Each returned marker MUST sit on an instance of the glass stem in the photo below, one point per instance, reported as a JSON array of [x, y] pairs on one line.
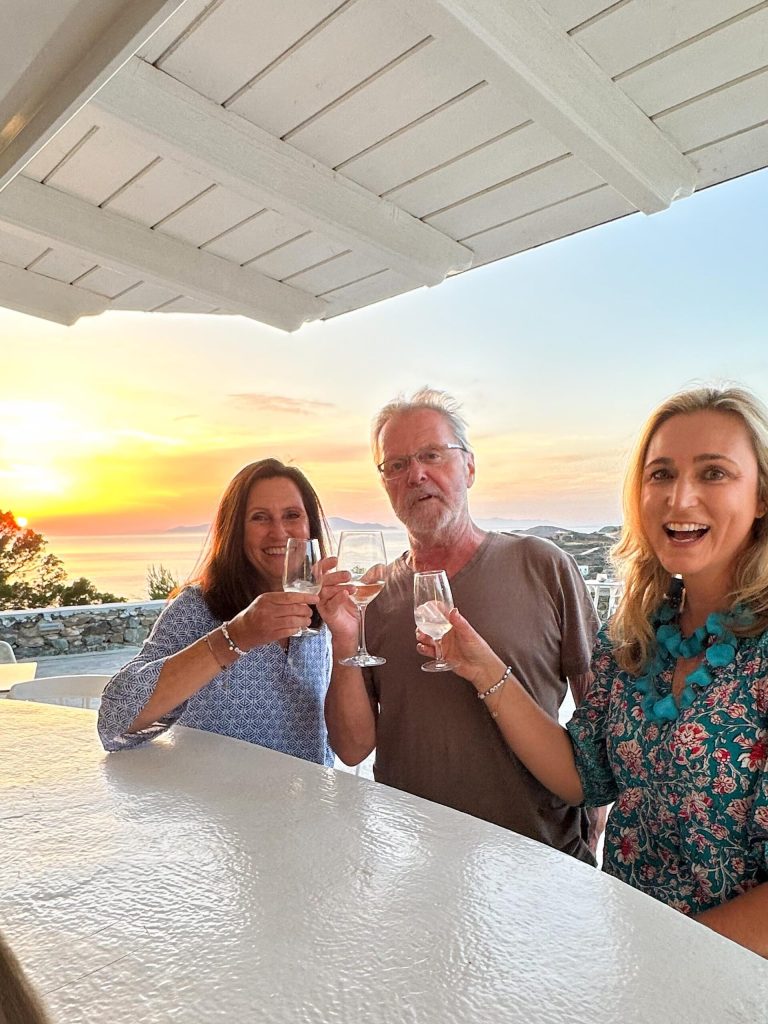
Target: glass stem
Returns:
[[361, 648], [439, 651]]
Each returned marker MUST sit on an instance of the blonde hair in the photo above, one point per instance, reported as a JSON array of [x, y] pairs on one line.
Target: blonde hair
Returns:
[[645, 579]]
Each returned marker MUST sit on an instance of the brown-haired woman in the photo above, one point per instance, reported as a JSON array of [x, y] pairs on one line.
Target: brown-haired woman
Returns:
[[223, 656], [674, 730]]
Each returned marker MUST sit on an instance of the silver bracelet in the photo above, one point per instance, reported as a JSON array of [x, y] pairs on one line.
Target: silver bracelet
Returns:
[[230, 642], [496, 686], [207, 639]]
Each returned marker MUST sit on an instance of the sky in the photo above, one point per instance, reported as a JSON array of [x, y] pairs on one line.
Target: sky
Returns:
[[133, 423]]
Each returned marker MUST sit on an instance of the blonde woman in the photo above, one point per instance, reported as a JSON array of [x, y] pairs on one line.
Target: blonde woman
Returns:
[[674, 728]]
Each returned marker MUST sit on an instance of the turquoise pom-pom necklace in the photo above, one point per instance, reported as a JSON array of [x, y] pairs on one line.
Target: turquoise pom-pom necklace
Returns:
[[714, 638]]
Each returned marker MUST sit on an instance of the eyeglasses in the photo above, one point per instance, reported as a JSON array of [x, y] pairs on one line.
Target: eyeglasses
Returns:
[[430, 457]]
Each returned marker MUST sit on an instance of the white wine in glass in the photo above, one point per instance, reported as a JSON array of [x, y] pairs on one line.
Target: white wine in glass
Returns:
[[432, 604], [362, 554], [300, 572]]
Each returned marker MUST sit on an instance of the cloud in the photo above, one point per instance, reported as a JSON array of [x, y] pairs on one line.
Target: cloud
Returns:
[[143, 435], [281, 403]]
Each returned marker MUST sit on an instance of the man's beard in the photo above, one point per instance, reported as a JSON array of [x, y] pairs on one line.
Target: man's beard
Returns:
[[429, 519]]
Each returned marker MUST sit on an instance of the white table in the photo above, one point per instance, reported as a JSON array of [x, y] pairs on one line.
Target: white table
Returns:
[[204, 879]]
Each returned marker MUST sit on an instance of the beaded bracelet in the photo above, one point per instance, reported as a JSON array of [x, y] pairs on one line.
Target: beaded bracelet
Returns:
[[230, 642], [496, 686]]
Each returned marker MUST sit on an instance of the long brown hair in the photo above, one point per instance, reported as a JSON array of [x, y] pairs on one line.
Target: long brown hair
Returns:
[[19, 1004], [227, 579], [645, 579]]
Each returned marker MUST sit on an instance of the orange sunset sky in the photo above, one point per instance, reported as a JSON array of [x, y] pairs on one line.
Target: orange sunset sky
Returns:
[[134, 423]]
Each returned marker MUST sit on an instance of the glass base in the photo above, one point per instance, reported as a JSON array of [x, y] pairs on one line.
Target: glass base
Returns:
[[436, 666], [364, 660], [307, 631]]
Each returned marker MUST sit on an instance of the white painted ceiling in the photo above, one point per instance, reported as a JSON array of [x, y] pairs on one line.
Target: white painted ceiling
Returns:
[[290, 160]]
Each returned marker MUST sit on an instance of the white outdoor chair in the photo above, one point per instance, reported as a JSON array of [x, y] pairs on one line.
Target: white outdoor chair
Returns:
[[7, 657], [69, 691]]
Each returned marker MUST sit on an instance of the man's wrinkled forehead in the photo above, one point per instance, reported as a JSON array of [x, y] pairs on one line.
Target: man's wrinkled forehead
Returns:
[[408, 431]]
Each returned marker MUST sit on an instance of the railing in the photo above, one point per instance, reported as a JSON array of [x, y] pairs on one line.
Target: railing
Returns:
[[605, 595]]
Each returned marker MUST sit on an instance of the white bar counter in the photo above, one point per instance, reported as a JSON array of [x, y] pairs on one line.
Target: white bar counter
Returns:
[[204, 879]]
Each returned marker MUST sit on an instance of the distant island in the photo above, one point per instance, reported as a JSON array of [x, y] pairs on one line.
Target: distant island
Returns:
[[589, 548]]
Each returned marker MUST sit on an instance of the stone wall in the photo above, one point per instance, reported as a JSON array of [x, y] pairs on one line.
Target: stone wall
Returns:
[[42, 632]]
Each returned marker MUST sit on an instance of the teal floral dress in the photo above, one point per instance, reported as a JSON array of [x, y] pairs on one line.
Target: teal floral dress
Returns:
[[689, 824]]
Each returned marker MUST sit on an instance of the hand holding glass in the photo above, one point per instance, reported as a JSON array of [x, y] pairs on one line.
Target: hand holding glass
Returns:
[[362, 554], [432, 603], [300, 572]]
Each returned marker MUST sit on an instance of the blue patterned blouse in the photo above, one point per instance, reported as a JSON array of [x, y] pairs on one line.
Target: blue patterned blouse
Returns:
[[269, 696], [690, 821]]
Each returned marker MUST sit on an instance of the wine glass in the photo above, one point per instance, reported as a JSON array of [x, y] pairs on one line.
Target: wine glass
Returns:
[[300, 572], [432, 604], [361, 553]]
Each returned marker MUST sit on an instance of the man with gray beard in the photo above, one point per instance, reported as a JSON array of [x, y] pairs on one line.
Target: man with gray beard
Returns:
[[433, 737]]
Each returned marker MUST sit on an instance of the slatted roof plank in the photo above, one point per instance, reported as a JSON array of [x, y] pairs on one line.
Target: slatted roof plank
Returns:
[[362, 293], [40, 296], [18, 251], [406, 91], [248, 241], [248, 35], [713, 60], [75, 133], [107, 282], [185, 304], [731, 109], [142, 297], [447, 147], [174, 28], [525, 195], [74, 58], [296, 255], [515, 154], [166, 186], [335, 272], [251, 162], [35, 210], [570, 13], [311, 76], [576, 213], [214, 211], [62, 265], [465, 122], [100, 166], [729, 158], [639, 31], [523, 53]]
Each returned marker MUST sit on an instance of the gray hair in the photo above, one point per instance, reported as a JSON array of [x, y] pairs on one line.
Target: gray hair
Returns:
[[424, 398]]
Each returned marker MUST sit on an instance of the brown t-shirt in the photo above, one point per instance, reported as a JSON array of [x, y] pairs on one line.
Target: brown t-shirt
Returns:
[[434, 738]]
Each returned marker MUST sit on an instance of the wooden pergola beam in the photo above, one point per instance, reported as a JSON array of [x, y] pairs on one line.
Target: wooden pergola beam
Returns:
[[39, 211], [51, 91], [176, 122], [532, 60]]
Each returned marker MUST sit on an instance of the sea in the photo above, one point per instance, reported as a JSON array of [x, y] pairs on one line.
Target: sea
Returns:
[[119, 563]]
